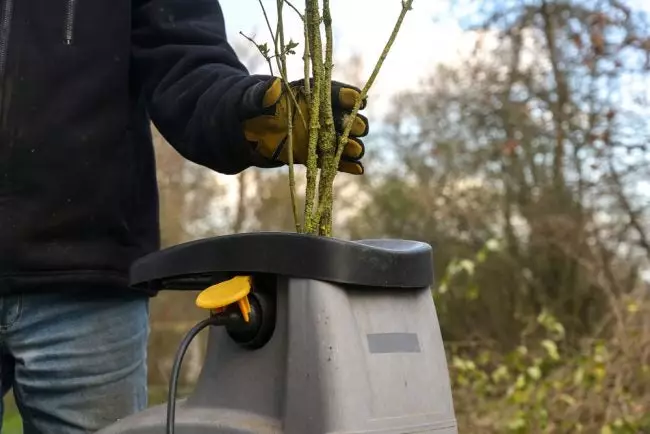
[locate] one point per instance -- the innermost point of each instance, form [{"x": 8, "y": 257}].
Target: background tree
[
  {"x": 527, "y": 141},
  {"x": 525, "y": 164}
]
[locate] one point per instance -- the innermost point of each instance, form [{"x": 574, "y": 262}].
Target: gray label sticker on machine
[{"x": 393, "y": 343}]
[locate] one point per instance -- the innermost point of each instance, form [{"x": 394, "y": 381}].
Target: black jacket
[{"x": 80, "y": 81}]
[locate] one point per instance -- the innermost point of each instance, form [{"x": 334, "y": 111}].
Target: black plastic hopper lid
[{"x": 376, "y": 263}]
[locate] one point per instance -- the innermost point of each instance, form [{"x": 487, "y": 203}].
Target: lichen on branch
[
  {"x": 324, "y": 148},
  {"x": 326, "y": 204}
]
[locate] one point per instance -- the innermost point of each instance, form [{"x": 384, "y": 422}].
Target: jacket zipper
[
  {"x": 69, "y": 21},
  {"x": 5, "y": 26}
]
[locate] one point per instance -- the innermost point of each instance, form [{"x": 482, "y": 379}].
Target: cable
[{"x": 173, "y": 381}]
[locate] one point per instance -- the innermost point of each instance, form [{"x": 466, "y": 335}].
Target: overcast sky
[{"x": 429, "y": 36}]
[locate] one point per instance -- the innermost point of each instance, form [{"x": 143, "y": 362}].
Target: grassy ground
[{"x": 11, "y": 422}]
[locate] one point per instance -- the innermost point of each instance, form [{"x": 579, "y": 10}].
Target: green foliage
[
  {"x": 466, "y": 268},
  {"x": 11, "y": 420},
  {"x": 538, "y": 388},
  {"x": 545, "y": 384}
]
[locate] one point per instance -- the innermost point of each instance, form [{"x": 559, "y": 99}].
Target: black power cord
[
  {"x": 252, "y": 334},
  {"x": 180, "y": 353}
]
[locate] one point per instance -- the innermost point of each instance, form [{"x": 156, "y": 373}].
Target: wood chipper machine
[{"x": 307, "y": 335}]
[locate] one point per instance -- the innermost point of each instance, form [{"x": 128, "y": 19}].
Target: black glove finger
[
  {"x": 345, "y": 96},
  {"x": 360, "y": 125},
  {"x": 355, "y": 149},
  {"x": 260, "y": 98},
  {"x": 351, "y": 167}
]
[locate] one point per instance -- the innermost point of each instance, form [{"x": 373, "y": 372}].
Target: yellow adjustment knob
[{"x": 219, "y": 296}]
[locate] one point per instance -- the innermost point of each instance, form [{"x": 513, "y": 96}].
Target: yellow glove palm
[{"x": 267, "y": 128}]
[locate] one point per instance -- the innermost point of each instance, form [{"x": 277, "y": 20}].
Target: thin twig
[
  {"x": 280, "y": 53},
  {"x": 283, "y": 69},
  {"x": 280, "y": 56},
  {"x": 302, "y": 17},
  {"x": 307, "y": 63},
  {"x": 268, "y": 24},
  {"x": 266, "y": 57},
  {"x": 406, "y": 6}
]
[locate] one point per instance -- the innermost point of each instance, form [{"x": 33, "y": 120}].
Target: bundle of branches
[{"x": 325, "y": 146}]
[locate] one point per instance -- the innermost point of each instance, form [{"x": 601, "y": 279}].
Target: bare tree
[{"x": 535, "y": 140}]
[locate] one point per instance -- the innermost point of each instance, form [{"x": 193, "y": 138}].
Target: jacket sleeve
[{"x": 193, "y": 82}]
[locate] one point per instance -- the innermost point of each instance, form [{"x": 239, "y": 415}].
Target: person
[{"x": 80, "y": 84}]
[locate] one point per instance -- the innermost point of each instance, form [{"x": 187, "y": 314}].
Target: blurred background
[{"x": 512, "y": 136}]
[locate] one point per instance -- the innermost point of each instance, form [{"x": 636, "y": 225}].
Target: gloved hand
[{"x": 265, "y": 111}]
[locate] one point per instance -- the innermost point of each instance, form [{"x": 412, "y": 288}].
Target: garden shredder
[{"x": 307, "y": 335}]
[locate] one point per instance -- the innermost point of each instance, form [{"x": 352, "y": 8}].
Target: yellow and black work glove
[{"x": 266, "y": 110}]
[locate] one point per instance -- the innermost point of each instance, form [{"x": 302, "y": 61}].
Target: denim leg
[{"x": 80, "y": 362}]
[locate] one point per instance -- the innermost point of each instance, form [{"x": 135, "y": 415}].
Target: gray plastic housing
[{"x": 342, "y": 359}]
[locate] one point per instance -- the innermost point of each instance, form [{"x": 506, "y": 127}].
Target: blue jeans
[{"x": 76, "y": 363}]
